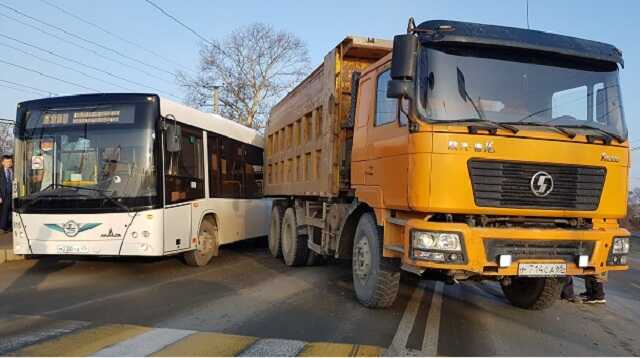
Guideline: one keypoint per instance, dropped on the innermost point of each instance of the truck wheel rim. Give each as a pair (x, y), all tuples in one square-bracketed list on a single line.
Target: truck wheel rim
[(363, 259)]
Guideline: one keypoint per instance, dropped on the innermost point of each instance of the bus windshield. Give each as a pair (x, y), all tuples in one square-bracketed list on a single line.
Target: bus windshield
[(87, 154), (519, 87)]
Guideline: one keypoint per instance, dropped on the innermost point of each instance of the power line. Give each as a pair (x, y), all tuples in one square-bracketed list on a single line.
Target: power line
[(110, 33), (30, 87), (50, 52), (85, 48), (19, 90), (48, 76), (69, 33), (63, 66), (167, 14)]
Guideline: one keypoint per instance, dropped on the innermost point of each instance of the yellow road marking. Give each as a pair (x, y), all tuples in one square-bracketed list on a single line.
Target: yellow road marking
[(339, 350), (84, 342), (205, 344)]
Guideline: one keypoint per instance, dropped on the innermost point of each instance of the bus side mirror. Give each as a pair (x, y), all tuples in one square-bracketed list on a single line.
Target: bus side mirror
[(174, 138), (403, 67)]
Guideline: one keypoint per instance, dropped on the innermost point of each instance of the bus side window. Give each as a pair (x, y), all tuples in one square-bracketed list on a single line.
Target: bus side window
[(231, 168), (253, 171), (213, 142), (184, 170)]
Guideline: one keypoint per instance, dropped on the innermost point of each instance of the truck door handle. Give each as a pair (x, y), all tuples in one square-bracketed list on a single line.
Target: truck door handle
[(369, 170)]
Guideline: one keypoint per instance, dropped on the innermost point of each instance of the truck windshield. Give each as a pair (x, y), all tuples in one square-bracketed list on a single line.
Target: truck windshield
[(100, 156), (457, 84)]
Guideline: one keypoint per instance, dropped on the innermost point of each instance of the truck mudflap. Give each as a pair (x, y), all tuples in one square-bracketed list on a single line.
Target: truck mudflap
[(524, 252)]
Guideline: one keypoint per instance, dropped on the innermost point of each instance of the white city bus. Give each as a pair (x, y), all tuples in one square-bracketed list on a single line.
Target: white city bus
[(133, 175)]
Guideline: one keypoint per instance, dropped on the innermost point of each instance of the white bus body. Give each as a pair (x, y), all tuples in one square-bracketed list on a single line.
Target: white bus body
[(174, 223)]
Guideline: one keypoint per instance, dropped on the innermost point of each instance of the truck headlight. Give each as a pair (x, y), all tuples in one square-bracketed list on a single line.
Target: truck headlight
[(619, 251), (443, 247), (620, 245), (440, 241)]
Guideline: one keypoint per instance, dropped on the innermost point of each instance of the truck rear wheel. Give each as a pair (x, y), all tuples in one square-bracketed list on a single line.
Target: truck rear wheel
[(275, 232), (294, 247), (534, 293), (207, 241), (376, 279)]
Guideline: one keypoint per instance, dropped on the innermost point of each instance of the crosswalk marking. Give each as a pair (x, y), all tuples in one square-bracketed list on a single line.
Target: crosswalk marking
[(206, 344), (84, 342), (339, 350), (432, 330), (40, 336), (399, 344)]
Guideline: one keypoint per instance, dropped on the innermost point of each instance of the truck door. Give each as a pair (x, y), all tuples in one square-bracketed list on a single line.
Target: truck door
[(387, 142)]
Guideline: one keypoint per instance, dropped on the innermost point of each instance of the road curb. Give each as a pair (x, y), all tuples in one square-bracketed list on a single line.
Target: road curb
[(7, 255)]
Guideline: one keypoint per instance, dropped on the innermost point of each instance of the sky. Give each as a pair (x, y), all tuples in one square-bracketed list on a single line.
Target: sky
[(166, 47)]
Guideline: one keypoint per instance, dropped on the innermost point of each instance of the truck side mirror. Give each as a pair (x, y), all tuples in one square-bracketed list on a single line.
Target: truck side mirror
[(174, 138), (403, 67)]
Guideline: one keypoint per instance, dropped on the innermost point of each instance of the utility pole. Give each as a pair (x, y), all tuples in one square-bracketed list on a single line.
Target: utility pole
[(216, 100)]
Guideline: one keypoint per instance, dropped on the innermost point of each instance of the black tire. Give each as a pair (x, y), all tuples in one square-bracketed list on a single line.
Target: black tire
[(207, 245), (376, 279), (294, 247), (275, 232), (315, 259), (533, 293)]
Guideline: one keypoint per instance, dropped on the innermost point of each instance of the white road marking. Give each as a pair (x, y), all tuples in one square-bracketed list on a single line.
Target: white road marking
[(635, 285), (145, 344), (270, 347), (432, 331), (399, 344)]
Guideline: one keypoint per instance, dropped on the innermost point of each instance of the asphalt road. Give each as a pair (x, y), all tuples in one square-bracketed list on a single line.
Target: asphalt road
[(246, 302)]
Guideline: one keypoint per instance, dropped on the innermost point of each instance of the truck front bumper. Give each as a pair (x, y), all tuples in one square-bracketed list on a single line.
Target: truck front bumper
[(481, 249)]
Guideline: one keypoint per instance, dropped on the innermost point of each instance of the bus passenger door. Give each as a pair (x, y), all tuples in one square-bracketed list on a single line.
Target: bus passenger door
[(184, 186), (177, 227)]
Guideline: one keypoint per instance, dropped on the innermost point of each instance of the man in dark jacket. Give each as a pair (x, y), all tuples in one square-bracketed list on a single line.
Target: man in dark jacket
[(6, 178)]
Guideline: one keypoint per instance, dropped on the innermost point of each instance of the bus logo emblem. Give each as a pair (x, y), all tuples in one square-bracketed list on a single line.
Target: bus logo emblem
[(541, 184), (71, 228)]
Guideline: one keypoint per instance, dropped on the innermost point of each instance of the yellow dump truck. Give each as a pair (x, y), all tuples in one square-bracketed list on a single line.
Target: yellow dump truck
[(461, 150)]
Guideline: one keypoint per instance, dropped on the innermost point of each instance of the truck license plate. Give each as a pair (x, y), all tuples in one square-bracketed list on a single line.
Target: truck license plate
[(542, 269)]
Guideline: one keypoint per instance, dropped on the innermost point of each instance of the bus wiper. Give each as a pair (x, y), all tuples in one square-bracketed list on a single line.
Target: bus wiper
[(102, 192), (606, 135), (564, 131)]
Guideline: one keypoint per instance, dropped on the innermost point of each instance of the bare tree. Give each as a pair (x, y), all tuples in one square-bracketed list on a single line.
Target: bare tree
[(253, 67)]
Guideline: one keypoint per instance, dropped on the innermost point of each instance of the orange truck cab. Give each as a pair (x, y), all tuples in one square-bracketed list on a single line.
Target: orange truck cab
[(474, 152)]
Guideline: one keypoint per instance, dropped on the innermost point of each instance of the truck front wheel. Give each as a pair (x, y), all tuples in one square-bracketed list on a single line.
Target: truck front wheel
[(534, 293), (376, 279), (294, 247)]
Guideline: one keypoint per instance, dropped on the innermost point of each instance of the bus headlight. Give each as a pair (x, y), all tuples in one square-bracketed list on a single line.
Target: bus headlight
[(437, 246), (146, 234)]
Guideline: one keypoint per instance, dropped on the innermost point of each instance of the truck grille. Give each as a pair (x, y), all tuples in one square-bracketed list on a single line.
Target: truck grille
[(508, 184), (535, 249)]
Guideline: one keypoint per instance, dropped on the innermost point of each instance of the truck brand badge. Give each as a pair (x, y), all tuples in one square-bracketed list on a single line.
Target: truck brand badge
[(541, 184), (71, 228), (478, 147), (609, 158)]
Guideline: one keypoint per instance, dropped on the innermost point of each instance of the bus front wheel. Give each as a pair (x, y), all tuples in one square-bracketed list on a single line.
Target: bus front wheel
[(207, 245)]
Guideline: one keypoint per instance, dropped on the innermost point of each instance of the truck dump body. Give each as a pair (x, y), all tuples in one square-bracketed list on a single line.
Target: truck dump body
[(308, 151)]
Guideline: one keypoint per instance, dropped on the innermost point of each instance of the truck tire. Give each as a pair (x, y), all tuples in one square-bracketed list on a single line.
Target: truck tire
[(376, 279), (294, 247), (275, 228), (207, 241), (533, 293)]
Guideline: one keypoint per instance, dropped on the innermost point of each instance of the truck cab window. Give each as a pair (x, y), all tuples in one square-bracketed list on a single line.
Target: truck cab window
[(386, 108)]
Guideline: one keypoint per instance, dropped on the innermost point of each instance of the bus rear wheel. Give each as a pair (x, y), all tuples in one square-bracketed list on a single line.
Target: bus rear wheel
[(533, 293), (207, 241), (376, 279), (275, 232), (294, 247)]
